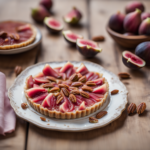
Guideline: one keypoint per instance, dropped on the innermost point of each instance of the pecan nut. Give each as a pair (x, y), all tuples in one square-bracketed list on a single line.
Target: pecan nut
[(24, 105), (51, 78), (59, 98), (87, 88), (48, 85), (14, 36), (75, 92), (72, 98), (18, 70), (54, 89), (82, 79), (131, 108), (114, 92), (101, 114), (65, 91), (124, 75), (141, 108), (98, 38), (84, 94), (63, 86), (43, 119), (76, 84), (3, 34), (74, 77), (93, 120), (90, 83)]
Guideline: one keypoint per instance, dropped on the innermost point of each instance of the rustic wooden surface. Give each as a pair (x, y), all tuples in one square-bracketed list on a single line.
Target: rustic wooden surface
[(127, 132)]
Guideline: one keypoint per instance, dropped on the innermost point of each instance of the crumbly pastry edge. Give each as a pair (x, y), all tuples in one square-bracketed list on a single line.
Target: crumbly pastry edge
[(23, 44), (67, 115)]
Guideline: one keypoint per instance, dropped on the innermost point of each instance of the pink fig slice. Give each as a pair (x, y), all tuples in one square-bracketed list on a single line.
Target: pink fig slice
[(48, 71), (69, 72), (24, 27), (82, 69), (66, 67), (35, 85), (41, 80), (101, 89), (39, 75), (30, 82), (63, 75), (64, 107), (94, 77), (35, 92), (82, 106), (99, 81), (89, 75), (39, 98), (47, 100), (96, 97)]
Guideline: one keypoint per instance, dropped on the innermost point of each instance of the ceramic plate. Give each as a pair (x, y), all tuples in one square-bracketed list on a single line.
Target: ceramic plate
[(114, 105), (26, 48)]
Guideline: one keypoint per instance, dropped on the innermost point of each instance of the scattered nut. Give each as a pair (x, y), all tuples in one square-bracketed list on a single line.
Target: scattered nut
[(75, 92), (114, 92), (51, 78), (84, 94), (24, 105), (131, 108), (93, 120), (43, 119), (18, 70), (54, 89), (124, 75), (65, 91), (98, 38), (141, 108), (76, 84), (87, 88), (82, 79), (72, 98), (90, 83), (101, 114)]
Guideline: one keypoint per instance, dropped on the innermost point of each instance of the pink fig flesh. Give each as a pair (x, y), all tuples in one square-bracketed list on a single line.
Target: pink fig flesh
[(41, 80), (24, 27), (144, 28), (39, 98), (101, 89), (82, 69), (99, 81), (89, 75), (35, 85), (82, 106), (39, 75), (47, 100), (30, 82), (66, 67)]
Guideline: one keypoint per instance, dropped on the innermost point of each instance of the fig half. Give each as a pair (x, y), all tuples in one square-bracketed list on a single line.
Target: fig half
[(132, 61), (71, 37), (53, 25), (88, 48)]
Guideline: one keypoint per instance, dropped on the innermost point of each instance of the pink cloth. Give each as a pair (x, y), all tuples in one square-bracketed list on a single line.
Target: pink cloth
[(7, 115)]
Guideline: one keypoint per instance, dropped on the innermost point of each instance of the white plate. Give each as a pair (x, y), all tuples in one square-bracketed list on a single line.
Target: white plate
[(25, 48), (114, 105)]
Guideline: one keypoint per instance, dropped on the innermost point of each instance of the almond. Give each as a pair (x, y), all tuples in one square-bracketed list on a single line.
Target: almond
[(76, 84), (65, 91), (24, 105), (114, 92), (93, 120), (74, 77), (124, 75), (43, 119), (84, 94), (131, 108), (101, 114), (72, 98), (141, 108), (51, 78), (87, 88), (54, 89), (90, 83), (63, 86), (48, 85), (98, 38), (75, 92), (18, 70), (82, 79)]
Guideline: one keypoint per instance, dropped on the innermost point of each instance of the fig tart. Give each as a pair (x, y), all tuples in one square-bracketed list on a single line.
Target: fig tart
[(66, 92), (14, 34)]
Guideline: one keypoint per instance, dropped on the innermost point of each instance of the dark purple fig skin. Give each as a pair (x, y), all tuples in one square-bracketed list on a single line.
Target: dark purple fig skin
[(143, 51), (39, 13), (144, 28), (116, 22), (145, 15), (47, 4), (130, 64), (131, 7), (132, 21), (128, 34)]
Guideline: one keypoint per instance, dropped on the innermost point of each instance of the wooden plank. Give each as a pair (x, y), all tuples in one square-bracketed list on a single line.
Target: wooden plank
[(15, 10)]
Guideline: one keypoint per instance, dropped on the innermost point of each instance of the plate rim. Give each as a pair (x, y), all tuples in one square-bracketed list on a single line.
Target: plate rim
[(95, 126)]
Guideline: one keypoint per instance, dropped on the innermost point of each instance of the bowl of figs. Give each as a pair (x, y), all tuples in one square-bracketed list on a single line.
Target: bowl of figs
[(130, 28)]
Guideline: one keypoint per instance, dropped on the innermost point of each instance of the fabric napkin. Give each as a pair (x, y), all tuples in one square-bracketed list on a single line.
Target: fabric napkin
[(7, 115)]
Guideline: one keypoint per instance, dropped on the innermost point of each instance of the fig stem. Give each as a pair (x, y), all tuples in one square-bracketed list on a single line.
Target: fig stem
[(128, 60), (88, 46), (138, 10), (148, 20)]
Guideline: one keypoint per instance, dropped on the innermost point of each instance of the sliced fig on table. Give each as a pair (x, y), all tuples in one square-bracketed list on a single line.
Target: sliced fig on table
[(132, 61)]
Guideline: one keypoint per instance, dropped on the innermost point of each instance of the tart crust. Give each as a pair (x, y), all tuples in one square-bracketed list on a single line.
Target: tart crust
[(22, 44), (68, 115)]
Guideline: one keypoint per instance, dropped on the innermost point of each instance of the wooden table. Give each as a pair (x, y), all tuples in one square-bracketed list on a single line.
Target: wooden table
[(127, 132)]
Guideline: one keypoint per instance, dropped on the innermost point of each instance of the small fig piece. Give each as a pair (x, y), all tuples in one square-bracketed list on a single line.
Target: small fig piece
[(71, 37), (132, 21), (131, 6), (82, 69), (24, 27), (116, 22), (145, 15), (132, 61), (144, 28), (39, 13), (143, 51), (73, 17), (88, 48), (53, 25), (46, 3)]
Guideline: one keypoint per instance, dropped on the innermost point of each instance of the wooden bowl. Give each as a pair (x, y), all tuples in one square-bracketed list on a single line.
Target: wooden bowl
[(129, 42)]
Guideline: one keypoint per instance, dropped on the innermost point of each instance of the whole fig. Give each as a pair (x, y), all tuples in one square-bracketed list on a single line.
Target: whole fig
[(131, 6), (144, 28), (143, 51), (128, 34), (46, 3), (39, 13), (145, 15), (116, 22), (132, 21)]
